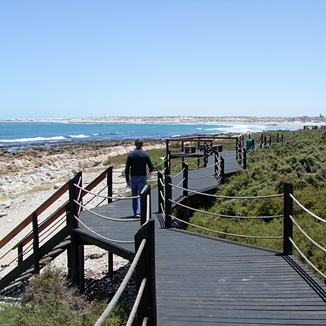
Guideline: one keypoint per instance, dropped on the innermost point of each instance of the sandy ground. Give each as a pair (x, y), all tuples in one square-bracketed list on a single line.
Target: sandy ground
[(24, 186)]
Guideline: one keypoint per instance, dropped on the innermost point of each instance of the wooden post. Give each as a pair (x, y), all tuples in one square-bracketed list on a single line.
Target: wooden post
[(73, 223), (144, 200), (109, 181), (160, 190), (167, 158), (36, 244), (110, 264), (146, 269), (20, 253), (168, 204), (215, 163), (185, 179), (222, 171), (287, 223), (244, 158), (205, 156)]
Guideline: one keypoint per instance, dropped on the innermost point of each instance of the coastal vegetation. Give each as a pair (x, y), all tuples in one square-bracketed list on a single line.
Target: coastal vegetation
[(300, 159), (48, 301)]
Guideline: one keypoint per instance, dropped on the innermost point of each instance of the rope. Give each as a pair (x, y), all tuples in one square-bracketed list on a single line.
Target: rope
[(137, 301), (122, 286), (106, 197), (307, 236), (225, 233), (307, 260), (101, 236), (162, 195), (231, 197), (179, 195), (178, 183), (177, 174), (306, 210), (108, 218), (225, 216)]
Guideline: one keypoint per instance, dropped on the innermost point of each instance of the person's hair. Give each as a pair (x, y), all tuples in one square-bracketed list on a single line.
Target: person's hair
[(139, 143)]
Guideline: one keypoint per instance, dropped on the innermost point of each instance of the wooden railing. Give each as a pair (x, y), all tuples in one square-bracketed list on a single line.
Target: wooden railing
[(34, 238)]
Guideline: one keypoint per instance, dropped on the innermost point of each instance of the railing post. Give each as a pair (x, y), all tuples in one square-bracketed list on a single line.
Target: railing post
[(168, 204), (244, 158), (167, 158), (185, 179), (160, 190), (216, 163), (146, 270), (145, 204), (287, 223), (20, 253), (205, 156), (222, 171), (36, 244), (109, 181), (73, 223)]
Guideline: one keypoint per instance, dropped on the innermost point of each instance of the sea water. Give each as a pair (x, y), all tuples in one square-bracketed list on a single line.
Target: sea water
[(29, 133)]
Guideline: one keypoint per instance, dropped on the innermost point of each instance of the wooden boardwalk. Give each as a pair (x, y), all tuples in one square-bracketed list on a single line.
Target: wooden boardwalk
[(204, 280)]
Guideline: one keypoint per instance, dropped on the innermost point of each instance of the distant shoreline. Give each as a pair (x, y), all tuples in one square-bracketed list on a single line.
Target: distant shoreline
[(178, 120)]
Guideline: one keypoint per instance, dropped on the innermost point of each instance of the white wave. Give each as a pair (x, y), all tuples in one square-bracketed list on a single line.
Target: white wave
[(79, 136), (20, 140)]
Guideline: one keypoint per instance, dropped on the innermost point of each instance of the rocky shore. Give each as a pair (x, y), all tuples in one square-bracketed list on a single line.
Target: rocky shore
[(31, 175)]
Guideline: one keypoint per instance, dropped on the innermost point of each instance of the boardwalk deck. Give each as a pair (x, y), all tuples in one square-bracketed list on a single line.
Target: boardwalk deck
[(203, 280)]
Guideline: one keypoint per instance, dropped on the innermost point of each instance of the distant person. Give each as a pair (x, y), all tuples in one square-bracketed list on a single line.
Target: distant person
[(135, 171)]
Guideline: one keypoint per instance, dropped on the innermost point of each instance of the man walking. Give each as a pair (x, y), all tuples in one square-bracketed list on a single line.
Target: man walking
[(135, 171)]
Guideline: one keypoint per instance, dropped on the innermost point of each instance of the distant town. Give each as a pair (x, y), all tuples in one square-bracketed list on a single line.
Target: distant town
[(183, 119)]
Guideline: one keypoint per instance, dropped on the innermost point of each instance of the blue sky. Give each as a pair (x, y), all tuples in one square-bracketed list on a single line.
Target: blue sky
[(69, 58)]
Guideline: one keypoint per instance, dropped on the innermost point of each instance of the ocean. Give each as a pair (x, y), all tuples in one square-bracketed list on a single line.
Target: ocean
[(25, 134)]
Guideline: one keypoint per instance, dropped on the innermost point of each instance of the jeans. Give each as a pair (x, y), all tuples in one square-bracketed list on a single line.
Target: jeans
[(137, 185)]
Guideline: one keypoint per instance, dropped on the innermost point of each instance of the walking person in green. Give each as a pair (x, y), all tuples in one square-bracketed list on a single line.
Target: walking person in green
[(137, 161)]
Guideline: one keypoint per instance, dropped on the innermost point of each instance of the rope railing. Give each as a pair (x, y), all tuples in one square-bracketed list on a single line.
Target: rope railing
[(307, 210), (307, 260), (176, 175), (101, 236), (307, 236), (122, 286), (289, 222), (226, 233), (225, 216), (105, 197), (106, 217), (230, 197)]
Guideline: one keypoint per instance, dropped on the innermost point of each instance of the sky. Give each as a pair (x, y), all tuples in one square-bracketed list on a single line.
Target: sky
[(77, 58)]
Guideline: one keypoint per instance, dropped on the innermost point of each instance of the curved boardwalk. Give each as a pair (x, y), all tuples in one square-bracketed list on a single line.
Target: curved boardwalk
[(203, 280)]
